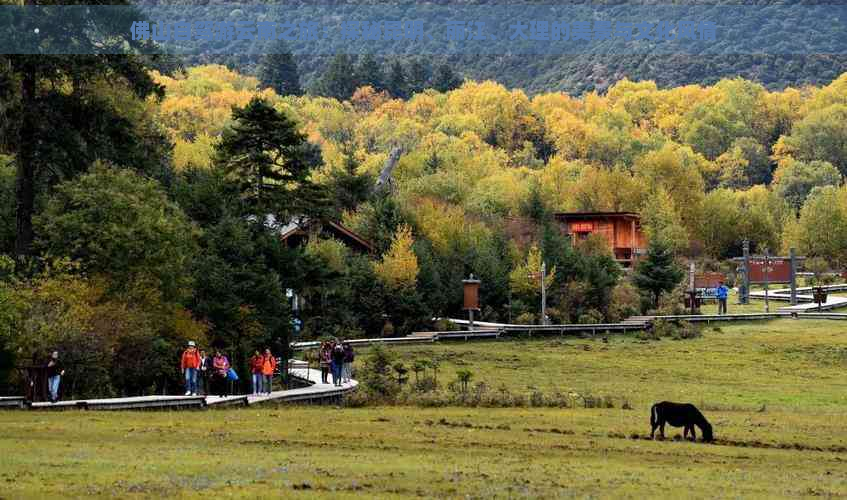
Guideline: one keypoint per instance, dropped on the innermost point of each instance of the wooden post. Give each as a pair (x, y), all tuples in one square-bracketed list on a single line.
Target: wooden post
[(471, 298), (767, 264), (745, 294), (632, 243), (692, 290), (543, 295), (793, 257)]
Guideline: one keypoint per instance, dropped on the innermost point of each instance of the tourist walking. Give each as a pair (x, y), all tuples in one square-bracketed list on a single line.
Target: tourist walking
[(189, 364), (347, 369), (55, 371), (325, 358), (722, 293), (203, 375), (220, 369), (337, 363), (268, 369), (256, 368)]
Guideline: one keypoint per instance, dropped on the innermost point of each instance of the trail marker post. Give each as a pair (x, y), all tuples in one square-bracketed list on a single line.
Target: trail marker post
[(744, 296), (471, 298), (792, 256)]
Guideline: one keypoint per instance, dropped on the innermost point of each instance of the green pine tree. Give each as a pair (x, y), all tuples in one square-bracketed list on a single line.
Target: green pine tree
[(369, 72), (339, 78), (397, 84), (419, 75), (658, 272), (445, 79), (271, 160), (278, 70), (349, 188)]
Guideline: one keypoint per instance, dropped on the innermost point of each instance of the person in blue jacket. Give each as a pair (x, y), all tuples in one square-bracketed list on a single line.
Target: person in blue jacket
[(722, 293)]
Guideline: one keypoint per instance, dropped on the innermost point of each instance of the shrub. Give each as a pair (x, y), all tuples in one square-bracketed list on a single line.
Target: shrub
[(356, 399), (401, 371), (664, 328), (688, 330), (590, 317), (443, 325), (526, 318), (463, 377), (537, 399), (377, 378), (625, 302), (672, 303), (426, 383)]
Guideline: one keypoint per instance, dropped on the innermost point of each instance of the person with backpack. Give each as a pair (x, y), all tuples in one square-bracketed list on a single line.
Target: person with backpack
[(189, 364), (337, 363), (347, 369), (256, 368), (220, 371), (55, 371), (268, 369)]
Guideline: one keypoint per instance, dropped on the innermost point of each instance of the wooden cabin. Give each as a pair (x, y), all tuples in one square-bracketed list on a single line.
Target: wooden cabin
[(297, 233), (622, 230)]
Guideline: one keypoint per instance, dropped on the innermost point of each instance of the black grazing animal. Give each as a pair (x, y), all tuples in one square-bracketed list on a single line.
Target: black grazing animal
[(679, 415)]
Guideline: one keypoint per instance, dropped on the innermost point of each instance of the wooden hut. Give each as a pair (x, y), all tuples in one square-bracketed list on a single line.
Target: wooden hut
[(622, 231)]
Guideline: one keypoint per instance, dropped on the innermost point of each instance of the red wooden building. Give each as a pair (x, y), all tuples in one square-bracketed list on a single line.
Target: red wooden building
[(622, 230)]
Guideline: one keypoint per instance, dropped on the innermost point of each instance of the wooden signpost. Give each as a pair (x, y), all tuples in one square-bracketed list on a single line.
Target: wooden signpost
[(471, 298), (766, 269)]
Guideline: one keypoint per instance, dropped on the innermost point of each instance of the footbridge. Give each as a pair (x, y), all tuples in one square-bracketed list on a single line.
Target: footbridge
[(313, 391)]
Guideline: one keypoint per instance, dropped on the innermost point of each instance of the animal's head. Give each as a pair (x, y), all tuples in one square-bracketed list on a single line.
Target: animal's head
[(707, 432)]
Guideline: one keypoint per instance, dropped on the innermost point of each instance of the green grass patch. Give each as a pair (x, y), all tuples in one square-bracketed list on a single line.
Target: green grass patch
[(774, 391), (323, 452), (792, 364)]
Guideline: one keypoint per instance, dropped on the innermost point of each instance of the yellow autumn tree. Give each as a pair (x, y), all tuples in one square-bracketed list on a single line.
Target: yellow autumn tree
[(399, 266), (525, 277)]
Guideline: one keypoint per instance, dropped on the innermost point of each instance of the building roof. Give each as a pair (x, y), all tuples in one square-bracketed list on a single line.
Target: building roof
[(300, 225), (585, 215)]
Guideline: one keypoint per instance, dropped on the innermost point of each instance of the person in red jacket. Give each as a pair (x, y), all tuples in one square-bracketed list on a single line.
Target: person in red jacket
[(189, 364), (256, 369), (268, 369)]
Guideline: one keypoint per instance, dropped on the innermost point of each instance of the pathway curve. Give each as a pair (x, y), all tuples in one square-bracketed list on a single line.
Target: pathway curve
[(314, 392)]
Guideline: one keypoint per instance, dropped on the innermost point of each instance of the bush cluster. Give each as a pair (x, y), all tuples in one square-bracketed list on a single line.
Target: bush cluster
[(677, 330)]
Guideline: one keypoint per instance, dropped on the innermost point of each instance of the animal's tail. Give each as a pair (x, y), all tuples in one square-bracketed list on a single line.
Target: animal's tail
[(654, 417)]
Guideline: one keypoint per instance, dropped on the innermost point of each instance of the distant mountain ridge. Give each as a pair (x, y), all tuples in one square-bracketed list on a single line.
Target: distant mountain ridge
[(601, 65)]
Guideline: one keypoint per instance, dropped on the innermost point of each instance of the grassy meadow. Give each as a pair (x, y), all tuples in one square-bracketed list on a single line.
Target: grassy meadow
[(775, 393), (795, 365)]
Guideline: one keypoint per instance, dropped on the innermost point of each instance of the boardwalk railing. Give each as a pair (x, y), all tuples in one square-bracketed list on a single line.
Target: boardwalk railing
[(314, 391)]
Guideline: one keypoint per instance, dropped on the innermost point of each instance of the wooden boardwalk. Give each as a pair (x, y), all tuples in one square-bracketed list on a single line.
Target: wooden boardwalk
[(314, 392), (319, 392), (804, 295)]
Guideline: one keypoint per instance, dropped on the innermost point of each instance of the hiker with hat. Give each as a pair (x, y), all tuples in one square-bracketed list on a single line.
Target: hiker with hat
[(189, 365)]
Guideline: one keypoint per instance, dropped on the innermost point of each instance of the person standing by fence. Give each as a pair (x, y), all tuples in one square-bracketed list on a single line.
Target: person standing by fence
[(268, 368), (54, 376), (256, 368), (325, 358), (189, 365), (337, 363), (722, 293)]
